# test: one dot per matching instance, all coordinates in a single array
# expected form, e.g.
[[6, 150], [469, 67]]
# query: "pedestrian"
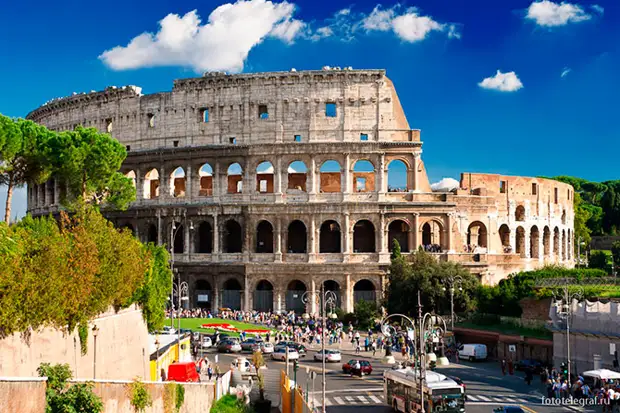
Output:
[[374, 348], [210, 372], [357, 348], [504, 367], [403, 350], [528, 376]]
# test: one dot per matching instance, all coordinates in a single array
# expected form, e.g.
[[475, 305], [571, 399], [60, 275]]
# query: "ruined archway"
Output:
[[151, 184], [363, 176], [397, 176], [205, 238], [520, 213], [556, 242], [520, 241], [297, 176], [151, 234], [333, 286], [330, 177], [203, 294], [504, 237], [231, 294], [179, 238], [564, 217], [233, 240], [234, 176], [264, 238], [206, 180], [263, 296], [294, 292], [476, 235], [563, 255], [264, 178], [546, 241], [534, 242], [431, 236], [363, 236], [130, 175], [364, 290], [177, 183], [398, 230], [329, 238], [297, 238]]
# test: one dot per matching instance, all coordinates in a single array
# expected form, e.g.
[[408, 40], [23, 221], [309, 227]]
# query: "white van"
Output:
[[473, 352]]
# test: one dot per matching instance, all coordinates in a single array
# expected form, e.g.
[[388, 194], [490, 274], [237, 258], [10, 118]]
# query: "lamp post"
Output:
[[95, 332], [174, 230], [157, 344], [181, 289], [563, 297], [452, 280], [324, 298]]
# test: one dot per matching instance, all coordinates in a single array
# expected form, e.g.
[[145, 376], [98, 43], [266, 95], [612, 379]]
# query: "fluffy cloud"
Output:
[[565, 71], [549, 14], [223, 43], [409, 26], [504, 82], [445, 185]]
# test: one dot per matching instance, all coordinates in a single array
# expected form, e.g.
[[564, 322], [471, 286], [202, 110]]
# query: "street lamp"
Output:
[[174, 231], [389, 331], [95, 332], [563, 298], [157, 344], [181, 289], [452, 281], [323, 298]]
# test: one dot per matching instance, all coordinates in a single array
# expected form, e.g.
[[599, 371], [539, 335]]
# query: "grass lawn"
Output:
[[510, 329], [195, 323]]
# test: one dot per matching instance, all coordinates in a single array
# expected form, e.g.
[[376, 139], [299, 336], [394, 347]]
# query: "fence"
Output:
[[293, 400]]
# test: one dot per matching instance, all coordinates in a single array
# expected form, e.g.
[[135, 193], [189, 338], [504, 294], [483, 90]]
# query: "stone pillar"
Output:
[[312, 240], [278, 177], [416, 161], [278, 300], [450, 220], [163, 183], [347, 174], [248, 187], [216, 178], [513, 240], [216, 297], [382, 237], [189, 177], [312, 307], [216, 236], [278, 234], [347, 298], [247, 306], [528, 252], [347, 234], [160, 230], [57, 191], [541, 245], [186, 236], [313, 176], [381, 186]]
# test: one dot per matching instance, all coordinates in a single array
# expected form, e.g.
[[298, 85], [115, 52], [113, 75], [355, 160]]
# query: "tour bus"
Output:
[[401, 390]]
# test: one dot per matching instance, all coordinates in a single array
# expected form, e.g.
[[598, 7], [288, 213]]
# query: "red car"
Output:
[[183, 372], [350, 366]]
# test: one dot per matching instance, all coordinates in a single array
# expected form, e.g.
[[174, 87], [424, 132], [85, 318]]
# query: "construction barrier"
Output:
[[293, 400]]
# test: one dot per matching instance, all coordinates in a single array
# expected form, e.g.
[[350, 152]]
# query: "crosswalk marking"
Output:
[[484, 399], [339, 400], [375, 399], [327, 402], [349, 398], [363, 399]]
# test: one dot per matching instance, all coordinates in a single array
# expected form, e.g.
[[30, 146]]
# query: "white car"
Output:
[[168, 330], [330, 355], [206, 342], [279, 353], [267, 348]]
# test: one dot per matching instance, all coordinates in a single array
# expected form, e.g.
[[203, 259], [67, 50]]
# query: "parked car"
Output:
[[251, 344], [509, 409], [168, 330], [535, 366], [216, 338], [473, 352], [228, 346], [206, 342], [279, 353], [365, 365], [183, 372], [330, 355], [266, 348], [300, 348]]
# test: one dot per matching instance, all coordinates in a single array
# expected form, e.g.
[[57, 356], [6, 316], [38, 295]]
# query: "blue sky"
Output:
[[550, 110]]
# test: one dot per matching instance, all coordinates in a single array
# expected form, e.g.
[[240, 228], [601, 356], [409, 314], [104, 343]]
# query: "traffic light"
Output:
[[295, 365], [564, 369]]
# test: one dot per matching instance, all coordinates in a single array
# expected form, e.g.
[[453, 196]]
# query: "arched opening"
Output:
[[232, 237], [556, 242], [231, 294], [203, 292], [333, 286], [297, 176], [329, 238], [205, 238], [264, 178], [151, 234], [330, 176], [563, 245], [520, 213], [264, 238], [297, 238], [504, 237], [363, 236], [431, 236], [151, 184], [131, 175], [206, 180], [294, 292], [263, 296], [520, 242], [569, 245], [177, 180], [397, 176], [364, 290], [564, 217], [235, 178], [546, 241], [179, 238], [398, 230], [363, 176], [535, 242], [129, 227], [476, 236]]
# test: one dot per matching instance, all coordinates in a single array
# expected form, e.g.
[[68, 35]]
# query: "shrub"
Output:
[[229, 404], [139, 396], [60, 397]]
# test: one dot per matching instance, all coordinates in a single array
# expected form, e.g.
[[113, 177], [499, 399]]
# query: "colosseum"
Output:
[[267, 185]]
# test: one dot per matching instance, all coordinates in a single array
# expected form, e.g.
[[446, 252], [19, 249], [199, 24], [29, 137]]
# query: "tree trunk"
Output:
[[9, 198]]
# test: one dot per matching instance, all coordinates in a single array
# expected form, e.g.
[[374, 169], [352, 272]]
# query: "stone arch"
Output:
[[203, 293], [520, 241], [177, 183], [294, 293], [504, 237], [399, 230], [563, 255], [297, 238], [233, 237], [231, 294], [204, 238], [263, 295], [179, 237], [151, 234], [206, 180], [333, 286], [397, 176], [432, 234], [131, 175], [534, 242], [546, 241], [264, 237], [569, 244], [364, 236], [329, 237], [363, 176], [556, 242], [364, 290], [264, 178], [297, 175], [563, 217], [329, 176], [234, 175], [520, 213], [477, 235], [151, 184]]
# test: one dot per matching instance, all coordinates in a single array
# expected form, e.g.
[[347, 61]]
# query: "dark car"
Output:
[[365, 366], [535, 366], [300, 348], [509, 409], [216, 338], [251, 344], [228, 346]]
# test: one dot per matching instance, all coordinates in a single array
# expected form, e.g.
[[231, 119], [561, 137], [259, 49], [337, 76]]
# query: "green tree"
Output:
[[366, 312], [615, 252], [155, 290], [582, 215], [61, 397], [601, 260]]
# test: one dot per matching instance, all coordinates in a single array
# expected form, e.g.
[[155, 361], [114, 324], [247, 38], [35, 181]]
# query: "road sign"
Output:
[[512, 348], [612, 348], [410, 334], [312, 375]]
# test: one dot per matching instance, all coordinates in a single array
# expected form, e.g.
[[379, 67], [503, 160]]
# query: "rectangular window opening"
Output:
[[330, 110], [204, 115], [239, 187], [297, 138], [175, 144], [502, 187], [568, 194], [363, 136], [263, 185], [151, 119], [128, 148], [534, 189], [232, 140], [360, 184], [555, 195], [262, 112], [108, 125]]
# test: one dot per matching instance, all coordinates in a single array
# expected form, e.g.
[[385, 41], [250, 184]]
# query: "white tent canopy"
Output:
[[602, 374]]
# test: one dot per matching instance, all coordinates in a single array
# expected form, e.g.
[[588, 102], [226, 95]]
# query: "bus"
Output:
[[401, 390]]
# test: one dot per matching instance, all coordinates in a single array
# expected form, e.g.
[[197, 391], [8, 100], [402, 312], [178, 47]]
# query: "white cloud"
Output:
[[549, 14], [379, 19], [504, 82], [445, 185], [565, 71], [598, 9], [223, 43]]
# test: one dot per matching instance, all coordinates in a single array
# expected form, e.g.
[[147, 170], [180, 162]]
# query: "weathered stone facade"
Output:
[[278, 182]]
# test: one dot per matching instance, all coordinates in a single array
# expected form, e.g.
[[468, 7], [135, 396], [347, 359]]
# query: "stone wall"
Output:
[[22, 394], [122, 349]]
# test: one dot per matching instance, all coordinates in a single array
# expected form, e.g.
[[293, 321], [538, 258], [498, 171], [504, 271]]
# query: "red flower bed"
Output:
[[231, 328]]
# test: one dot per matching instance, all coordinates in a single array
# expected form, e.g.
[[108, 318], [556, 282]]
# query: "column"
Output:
[[313, 177], [57, 191], [278, 250], [216, 236], [159, 229], [312, 238], [186, 236], [313, 298], [216, 178], [416, 160], [246, 295], [528, 252], [216, 296], [278, 297], [415, 234], [347, 174], [541, 245], [347, 233], [513, 240], [347, 299], [249, 187], [382, 242], [449, 238], [189, 178], [278, 176], [381, 181], [139, 185]]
